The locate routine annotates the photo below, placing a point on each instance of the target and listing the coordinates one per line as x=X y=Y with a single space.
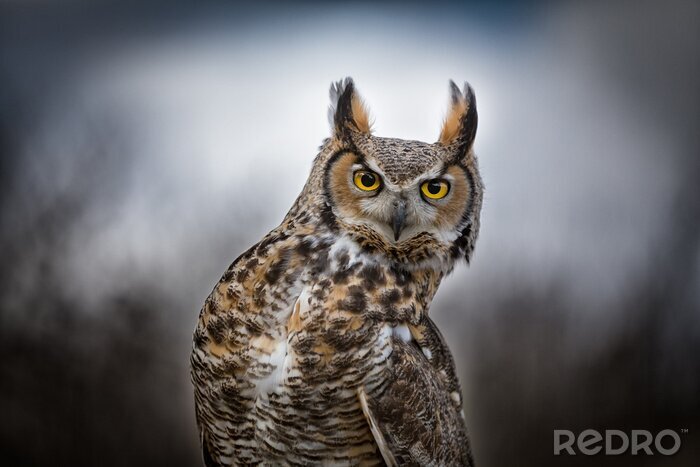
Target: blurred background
x=143 y=147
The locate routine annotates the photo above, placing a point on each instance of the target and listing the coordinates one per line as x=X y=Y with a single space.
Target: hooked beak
x=398 y=218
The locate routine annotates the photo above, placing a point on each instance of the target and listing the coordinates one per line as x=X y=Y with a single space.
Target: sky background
x=144 y=147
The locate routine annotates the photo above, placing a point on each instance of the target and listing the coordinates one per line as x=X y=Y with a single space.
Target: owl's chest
x=312 y=389
x=335 y=331
x=296 y=348
x=320 y=354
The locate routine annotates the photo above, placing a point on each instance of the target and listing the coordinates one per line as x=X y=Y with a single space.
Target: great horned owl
x=316 y=347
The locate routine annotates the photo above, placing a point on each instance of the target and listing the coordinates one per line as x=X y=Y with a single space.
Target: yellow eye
x=366 y=181
x=435 y=189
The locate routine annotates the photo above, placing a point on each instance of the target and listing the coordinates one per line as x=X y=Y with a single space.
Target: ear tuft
x=461 y=121
x=347 y=111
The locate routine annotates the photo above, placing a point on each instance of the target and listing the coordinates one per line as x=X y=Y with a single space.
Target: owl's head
x=411 y=201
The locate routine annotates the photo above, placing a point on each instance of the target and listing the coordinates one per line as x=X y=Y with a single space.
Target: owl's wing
x=414 y=416
x=207 y=456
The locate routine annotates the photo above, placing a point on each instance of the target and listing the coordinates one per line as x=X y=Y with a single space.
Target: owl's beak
x=398 y=218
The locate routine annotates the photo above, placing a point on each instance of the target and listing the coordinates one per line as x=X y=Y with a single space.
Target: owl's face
x=411 y=200
x=371 y=189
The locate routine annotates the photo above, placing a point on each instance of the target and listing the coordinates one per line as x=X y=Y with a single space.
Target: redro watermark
x=615 y=442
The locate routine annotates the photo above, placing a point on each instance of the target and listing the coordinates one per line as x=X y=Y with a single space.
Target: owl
x=316 y=346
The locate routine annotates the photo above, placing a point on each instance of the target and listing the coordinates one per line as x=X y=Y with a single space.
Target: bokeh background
x=144 y=146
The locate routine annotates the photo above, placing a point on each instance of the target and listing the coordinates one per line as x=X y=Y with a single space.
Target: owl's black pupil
x=367 y=179
x=434 y=187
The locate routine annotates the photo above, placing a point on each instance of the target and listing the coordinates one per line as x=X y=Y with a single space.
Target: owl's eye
x=366 y=180
x=435 y=189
